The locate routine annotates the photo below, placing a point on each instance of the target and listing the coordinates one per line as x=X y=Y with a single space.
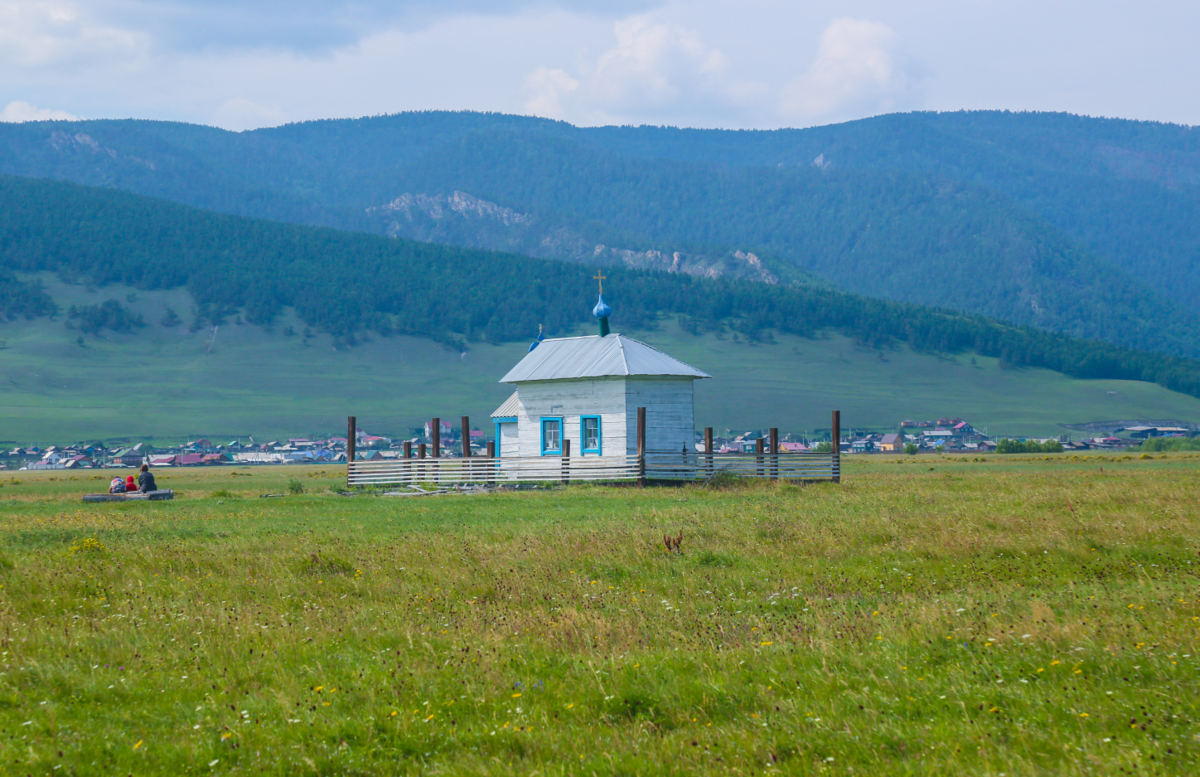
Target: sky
x=243 y=64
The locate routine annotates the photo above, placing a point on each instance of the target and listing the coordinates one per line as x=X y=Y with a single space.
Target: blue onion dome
x=602 y=310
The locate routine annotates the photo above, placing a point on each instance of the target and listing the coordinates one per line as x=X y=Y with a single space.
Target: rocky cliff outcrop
x=463 y=219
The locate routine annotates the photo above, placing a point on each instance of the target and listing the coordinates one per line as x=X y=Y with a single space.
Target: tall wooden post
x=421 y=451
x=708 y=449
x=566 y=461
x=641 y=446
x=435 y=436
x=421 y=456
x=774 y=435
x=408 y=449
x=837 y=446
x=408 y=466
x=491 y=449
x=351 y=436
x=758 y=453
x=466 y=437
x=491 y=466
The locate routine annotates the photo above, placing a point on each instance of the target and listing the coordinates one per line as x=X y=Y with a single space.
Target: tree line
x=348 y=283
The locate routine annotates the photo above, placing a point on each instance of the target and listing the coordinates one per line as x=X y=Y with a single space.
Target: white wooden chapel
x=587 y=390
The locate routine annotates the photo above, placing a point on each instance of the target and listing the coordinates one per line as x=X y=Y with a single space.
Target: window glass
x=591 y=434
x=551 y=436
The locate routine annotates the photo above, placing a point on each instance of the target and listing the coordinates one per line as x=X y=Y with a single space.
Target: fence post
x=641 y=447
x=351 y=436
x=758 y=453
x=408 y=465
x=774 y=453
x=566 y=461
x=708 y=449
x=491 y=454
x=836 y=448
x=468 y=471
x=435 y=436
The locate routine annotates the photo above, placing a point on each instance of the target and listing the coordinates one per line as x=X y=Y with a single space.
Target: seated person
x=117 y=486
x=130 y=484
x=146 y=480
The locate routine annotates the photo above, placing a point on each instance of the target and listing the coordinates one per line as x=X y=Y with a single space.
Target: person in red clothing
x=130 y=485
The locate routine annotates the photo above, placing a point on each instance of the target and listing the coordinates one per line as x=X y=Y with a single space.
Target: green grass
x=163 y=383
x=930 y=615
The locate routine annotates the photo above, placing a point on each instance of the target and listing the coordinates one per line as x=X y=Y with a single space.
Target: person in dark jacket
x=146 y=482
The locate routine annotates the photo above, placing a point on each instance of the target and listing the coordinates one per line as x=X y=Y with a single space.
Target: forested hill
x=889 y=234
x=1085 y=226
x=347 y=283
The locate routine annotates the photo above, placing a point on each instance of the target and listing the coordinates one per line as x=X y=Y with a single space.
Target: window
x=590 y=433
x=551 y=436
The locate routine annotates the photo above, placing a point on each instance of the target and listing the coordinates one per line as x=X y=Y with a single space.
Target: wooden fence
x=653 y=466
x=680 y=466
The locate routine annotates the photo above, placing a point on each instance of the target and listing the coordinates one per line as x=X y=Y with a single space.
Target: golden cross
x=600 y=276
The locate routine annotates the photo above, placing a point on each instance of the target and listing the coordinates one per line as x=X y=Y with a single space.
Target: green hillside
x=1086 y=226
x=168 y=382
x=348 y=285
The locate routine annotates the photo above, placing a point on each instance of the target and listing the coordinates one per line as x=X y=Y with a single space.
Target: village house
x=129 y=457
x=891 y=443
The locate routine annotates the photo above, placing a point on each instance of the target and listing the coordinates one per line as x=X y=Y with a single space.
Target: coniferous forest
x=345 y=283
x=1090 y=227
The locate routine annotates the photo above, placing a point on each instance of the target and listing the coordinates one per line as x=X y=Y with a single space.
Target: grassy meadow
x=929 y=615
x=167 y=383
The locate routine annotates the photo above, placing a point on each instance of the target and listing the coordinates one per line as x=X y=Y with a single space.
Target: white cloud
x=18 y=111
x=57 y=33
x=655 y=69
x=652 y=64
x=856 y=73
x=722 y=63
x=241 y=114
x=546 y=89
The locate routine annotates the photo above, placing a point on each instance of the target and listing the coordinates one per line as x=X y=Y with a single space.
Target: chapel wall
x=670 y=413
x=572 y=399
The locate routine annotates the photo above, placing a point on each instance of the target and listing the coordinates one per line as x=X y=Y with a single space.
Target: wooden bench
x=133 y=496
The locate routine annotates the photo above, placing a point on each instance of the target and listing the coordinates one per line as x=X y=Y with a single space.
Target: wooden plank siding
x=571 y=399
x=509 y=440
x=668 y=403
x=670 y=422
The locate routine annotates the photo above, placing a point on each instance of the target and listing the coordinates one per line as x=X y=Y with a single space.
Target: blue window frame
x=589 y=434
x=552 y=429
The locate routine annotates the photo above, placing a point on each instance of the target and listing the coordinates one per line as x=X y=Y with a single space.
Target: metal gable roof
x=510 y=408
x=569 y=358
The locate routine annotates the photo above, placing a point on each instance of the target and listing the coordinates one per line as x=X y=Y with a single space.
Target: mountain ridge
x=1109 y=210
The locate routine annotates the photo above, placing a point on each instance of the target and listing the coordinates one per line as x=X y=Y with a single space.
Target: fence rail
x=656 y=465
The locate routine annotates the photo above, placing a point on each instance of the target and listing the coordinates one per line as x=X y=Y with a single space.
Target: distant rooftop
x=568 y=358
